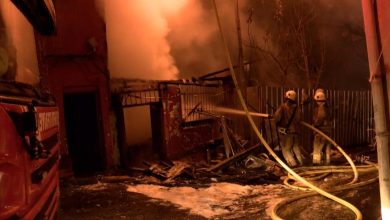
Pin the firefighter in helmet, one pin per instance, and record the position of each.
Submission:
(287, 118)
(321, 120)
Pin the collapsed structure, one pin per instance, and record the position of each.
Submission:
(196, 120)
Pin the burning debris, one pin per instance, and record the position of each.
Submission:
(240, 169)
(245, 167)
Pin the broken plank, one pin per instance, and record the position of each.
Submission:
(115, 179)
(187, 172)
(236, 157)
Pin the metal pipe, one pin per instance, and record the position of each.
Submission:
(378, 100)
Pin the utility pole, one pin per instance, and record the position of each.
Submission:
(241, 70)
(379, 98)
(243, 80)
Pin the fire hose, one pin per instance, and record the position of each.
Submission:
(324, 171)
(262, 140)
(355, 172)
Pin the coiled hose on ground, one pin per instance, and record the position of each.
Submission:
(323, 171)
(262, 140)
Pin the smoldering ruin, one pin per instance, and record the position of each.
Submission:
(187, 109)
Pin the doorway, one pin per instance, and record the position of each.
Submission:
(143, 133)
(138, 133)
(83, 129)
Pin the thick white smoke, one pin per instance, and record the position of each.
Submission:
(195, 39)
(136, 38)
(167, 39)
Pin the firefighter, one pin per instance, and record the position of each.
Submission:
(321, 120)
(287, 118)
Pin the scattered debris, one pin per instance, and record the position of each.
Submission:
(176, 170)
(113, 179)
(225, 162)
(167, 171)
(94, 187)
(254, 162)
(233, 188)
(235, 158)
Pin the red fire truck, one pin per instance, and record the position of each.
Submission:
(29, 153)
(29, 142)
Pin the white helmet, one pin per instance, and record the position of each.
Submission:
(291, 94)
(319, 95)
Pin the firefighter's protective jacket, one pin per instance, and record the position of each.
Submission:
(321, 116)
(285, 113)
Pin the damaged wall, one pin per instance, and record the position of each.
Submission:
(75, 62)
(180, 140)
(161, 132)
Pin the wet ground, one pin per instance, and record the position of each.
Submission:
(135, 198)
(114, 202)
(235, 193)
(97, 198)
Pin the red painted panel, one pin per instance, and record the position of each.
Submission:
(12, 184)
(77, 22)
(179, 140)
(80, 76)
(14, 107)
(383, 7)
(67, 63)
(47, 121)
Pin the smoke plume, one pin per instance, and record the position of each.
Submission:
(166, 39)
(136, 36)
(195, 39)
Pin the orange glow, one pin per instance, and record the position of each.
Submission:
(136, 36)
(146, 39)
(21, 43)
(170, 7)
